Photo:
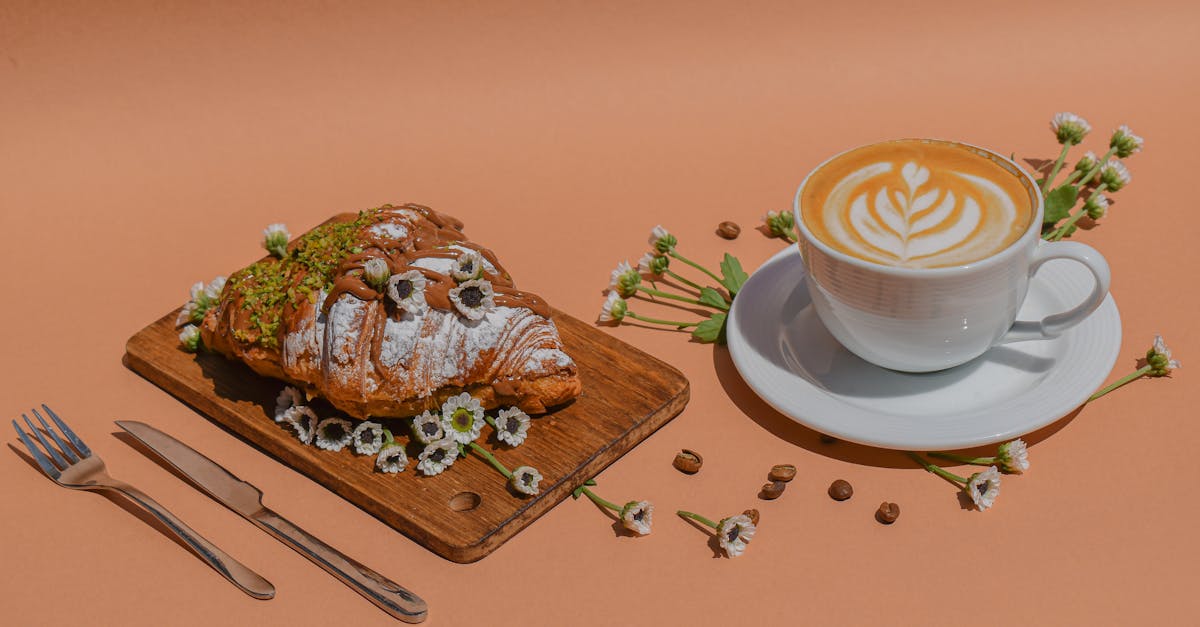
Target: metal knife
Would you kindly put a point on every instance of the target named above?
(246, 500)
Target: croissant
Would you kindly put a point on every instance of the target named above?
(389, 312)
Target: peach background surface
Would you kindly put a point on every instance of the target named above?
(143, 146)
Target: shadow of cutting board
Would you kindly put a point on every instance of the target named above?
(467, 511)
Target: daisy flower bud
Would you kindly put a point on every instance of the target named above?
(525, 480)
(437, 457)
(190, 338)
(212, 291)
(1013, 457)
(1124, 142)
(392, 458)
(376, 273)
(637, 516)
(512, 425)
(614, 308)
(427, 428)
(1159, 359)
(780, 223)
(1114, 175)
(653, 265)
(1096, 207)
(734, 533)
(368, 438)
(1069, 128)
(462, 418)
(661, 240)
(625, 280)
(333, 434)
(474, 298)
(983, 488)
(1087, 163)
(275, 239)
(290, 397)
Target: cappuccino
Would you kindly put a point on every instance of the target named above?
(917, 204)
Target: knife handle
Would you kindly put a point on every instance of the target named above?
(383, 592)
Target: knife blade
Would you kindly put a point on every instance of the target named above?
(245, 499)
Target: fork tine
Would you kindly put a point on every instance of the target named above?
(66, 450)
(79, 445)
(62, 463)
(42, 461)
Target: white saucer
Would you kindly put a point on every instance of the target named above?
(789, 359)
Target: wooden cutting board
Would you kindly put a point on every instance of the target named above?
(467, 511)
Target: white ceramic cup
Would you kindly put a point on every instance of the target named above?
(927, 319)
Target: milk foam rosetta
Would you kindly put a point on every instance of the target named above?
(916, 203)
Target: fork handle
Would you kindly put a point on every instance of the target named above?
(383, 592)
(237, 573)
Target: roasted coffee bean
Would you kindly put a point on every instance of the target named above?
(688, 462)
(772, 491)
(729, 230)
(840, 490)
(887, 513)
(753, 514)
(782, 472)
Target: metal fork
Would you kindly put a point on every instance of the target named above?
(80, 469)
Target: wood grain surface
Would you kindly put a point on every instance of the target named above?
(627, 395)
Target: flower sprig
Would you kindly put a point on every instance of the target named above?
(636, 516)
(733, 533)
(982, 487)
(1159, 363)
(1088, 181)
(626, 283)
(201, 298)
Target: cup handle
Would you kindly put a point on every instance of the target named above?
(1052, 326)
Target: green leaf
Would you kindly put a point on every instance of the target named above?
(713, 298)
(711, 330)
(1059, 202)
(734, 276)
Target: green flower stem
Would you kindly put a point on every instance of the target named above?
(695, 265)
(787, 235)
(698, 518)
(1062, 156)
(937, 470)
(1061, 231)
(491, 460)
(599, 501)
(1136, 374)
(388, 438)
(491, 421)
(977, 461)
(693, 301)
(682, 280)
(1099, 164)
(670, 323)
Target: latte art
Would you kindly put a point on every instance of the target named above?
(916, 204)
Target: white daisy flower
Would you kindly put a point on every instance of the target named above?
(636, 516)
(201, 298)
(1114, 175)
(1069, 128)
(625, 279)
(614, 308)
(1013, 457)
(984, 487)
(197, 292)
(392, 458)
(525, 480)
(333, 434)
(367, 438)
(468, 266)
(275, 239)
(661, 240)
(376, 273)
(1159, 358)
(473, 299)
(212, 291)
(427, 428)
(646, 265)
(407, 290)
(512, 425)
(304, 420)
(187, 315)
(462, 418)
(734, 533)
(1125, 142)
(190, 338)
(290, 397)
(437, 457)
